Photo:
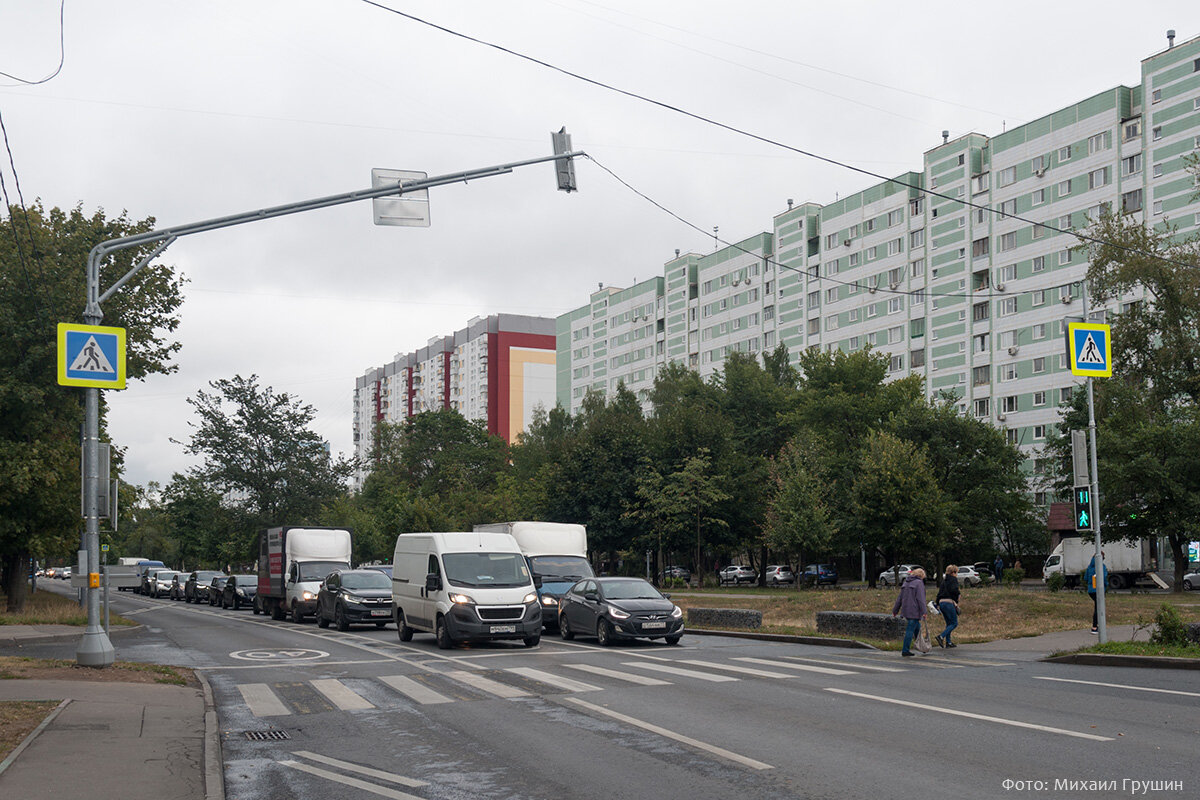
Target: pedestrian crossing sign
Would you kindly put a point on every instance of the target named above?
(1090, 346)
(91, 356)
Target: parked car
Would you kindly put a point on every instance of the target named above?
(158, 582)
(176, 590)
(818, 574)
(215, 588)
(196, 588)
(888, 576)
(683, 573)
(618, 608)
(969, 576)
(1191, 581)
(64, 573)
(984, 570)
(780, 573)
(354, 596)
(738, 574)
(239, 590)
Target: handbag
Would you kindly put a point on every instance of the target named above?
(933, 608)
(923, 644)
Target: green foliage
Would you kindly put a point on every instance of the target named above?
(43, 255)
(1169, 628)
(1056, 582)
(1013, 576)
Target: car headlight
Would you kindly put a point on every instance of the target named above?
(461, 598)
(241, 593)
(352, 598)
(308, 596)
(617, 613)
(547, 600)
(530, 598)
(676, 612)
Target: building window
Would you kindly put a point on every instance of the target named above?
(1009, 404)
(814, 326)
(1132, 165)
(1006, 274)
(917, 358)
(1039, 398)
(1007, 177)
(1007, 307)
(1131, 201)
(895, 246)
(1008, 241)
(852, 260)
(1064, 188)
(1156, 96)
(1158, 170)
(1133, 130)
(916, 238)
(831, 322)
(1157, 207)
(980, 247)
(980, 375)
(1039, 263)
(1008, 208)
(1098, 177)
(980, 343)
(1008, 372)
(872, 311)
(1039, 365)
(1156, 132)
(1038, 231)
(979, 311)
(814, 299)
(1064, 153)
(1064, 395)
(1101, 141)
(895, 217)
(831, 294)
(1038, 197)
(916, 206)
(896, 364)
(895, 334)
(917, 267)
(982, 407)
(1064, 257)
(1039, 330)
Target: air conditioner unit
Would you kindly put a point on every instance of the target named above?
(1012, 351)
(999, 287)
(1065, 299)
(1039, 172)
(1001, 416)
(747, 281)
(872, 289)
(846, 243)
(893, 285)
(736, 282)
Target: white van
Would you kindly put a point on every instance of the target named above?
(463, 587)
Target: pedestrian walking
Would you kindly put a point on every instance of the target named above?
(1089, 580)
(910, 604)
(947, 603)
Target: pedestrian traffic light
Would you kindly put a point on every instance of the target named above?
(1083, 508)
(564, 168)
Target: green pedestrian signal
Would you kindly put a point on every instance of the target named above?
(1083, 508)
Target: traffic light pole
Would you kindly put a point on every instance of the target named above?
(1094, 496)
(95, 649)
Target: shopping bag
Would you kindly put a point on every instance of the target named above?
(933, 608)
(923, 644)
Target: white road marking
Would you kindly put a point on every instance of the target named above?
(374, 773)
(340, 695)
(786, 665)
(852, 665)
(382, 791)
(487, 684)
(262, 701)
(641, 680)
(998, 720)
(414, 689)
(553, 680)
(708, 748)
(758, 673)
(1122, 686)
(686, 673)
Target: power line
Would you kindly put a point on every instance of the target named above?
(61, 53)
(1083, 238)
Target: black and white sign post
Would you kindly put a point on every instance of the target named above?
(1089, 348)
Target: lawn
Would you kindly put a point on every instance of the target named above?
(44, 607)
(986, 613)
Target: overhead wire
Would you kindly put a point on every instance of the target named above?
(62, 52)
(1082, 237)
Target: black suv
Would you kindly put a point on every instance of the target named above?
(196, 588)
(349, 596)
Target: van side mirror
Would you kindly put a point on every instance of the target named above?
(537, 581)
(433, 582)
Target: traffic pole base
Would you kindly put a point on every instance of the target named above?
(95, 650)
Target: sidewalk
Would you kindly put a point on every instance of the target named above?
(135, 741)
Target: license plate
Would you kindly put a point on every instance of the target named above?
(504, 629)
(380, 612)
(646, 626)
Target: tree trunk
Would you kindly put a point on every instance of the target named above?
(1179, 556)
(15, 572)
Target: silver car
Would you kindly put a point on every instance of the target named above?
(1191, 581)
(738, 574)
(888, 576)
(967, 576)
(160, 582)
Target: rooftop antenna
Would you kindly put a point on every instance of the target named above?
(677, 252)
(789, 204)
(716, 241)
(1170, 38)
(945, 137)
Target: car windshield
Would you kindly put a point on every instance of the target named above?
(633, 589)
(207, 575)
(366, 580)
(486, 569)
(564, 567)
(219, 581)
(317, 570)
(247, 580)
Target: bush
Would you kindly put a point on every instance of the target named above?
(1013, 576)
(1056, 582)
(1169, 628)
(674, 583)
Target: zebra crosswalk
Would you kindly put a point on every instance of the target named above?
(449, 686)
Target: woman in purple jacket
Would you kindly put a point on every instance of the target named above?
(910, 604)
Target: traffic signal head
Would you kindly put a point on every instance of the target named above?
(1083, 508)
(564, 168)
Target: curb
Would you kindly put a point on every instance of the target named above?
(214, 768)
(1106, 660)
(33, 734)
(18, 641)
(785, 637)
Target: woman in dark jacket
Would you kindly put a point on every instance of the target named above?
(947, 601)
(911, 604)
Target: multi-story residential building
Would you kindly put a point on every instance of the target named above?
(963, 273)
(496, 370)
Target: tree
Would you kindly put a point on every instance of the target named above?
(799, 518)
(43, 255)
(257, 447)
(1147, 412)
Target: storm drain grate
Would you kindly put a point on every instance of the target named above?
(267, 736)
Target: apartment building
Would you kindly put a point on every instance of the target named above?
(496, 370)
(962, 273)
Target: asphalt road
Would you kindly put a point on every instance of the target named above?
(309, 713)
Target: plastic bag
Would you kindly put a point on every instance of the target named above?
(933, 608)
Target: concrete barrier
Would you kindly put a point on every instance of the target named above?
(725, 617)
(860, 624)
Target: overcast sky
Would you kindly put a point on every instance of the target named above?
(185, 111)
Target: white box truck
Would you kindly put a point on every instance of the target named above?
(556, 553)
(292, 562)
(1126, 562)
(463, 586)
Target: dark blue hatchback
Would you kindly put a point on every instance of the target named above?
(819, 574)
